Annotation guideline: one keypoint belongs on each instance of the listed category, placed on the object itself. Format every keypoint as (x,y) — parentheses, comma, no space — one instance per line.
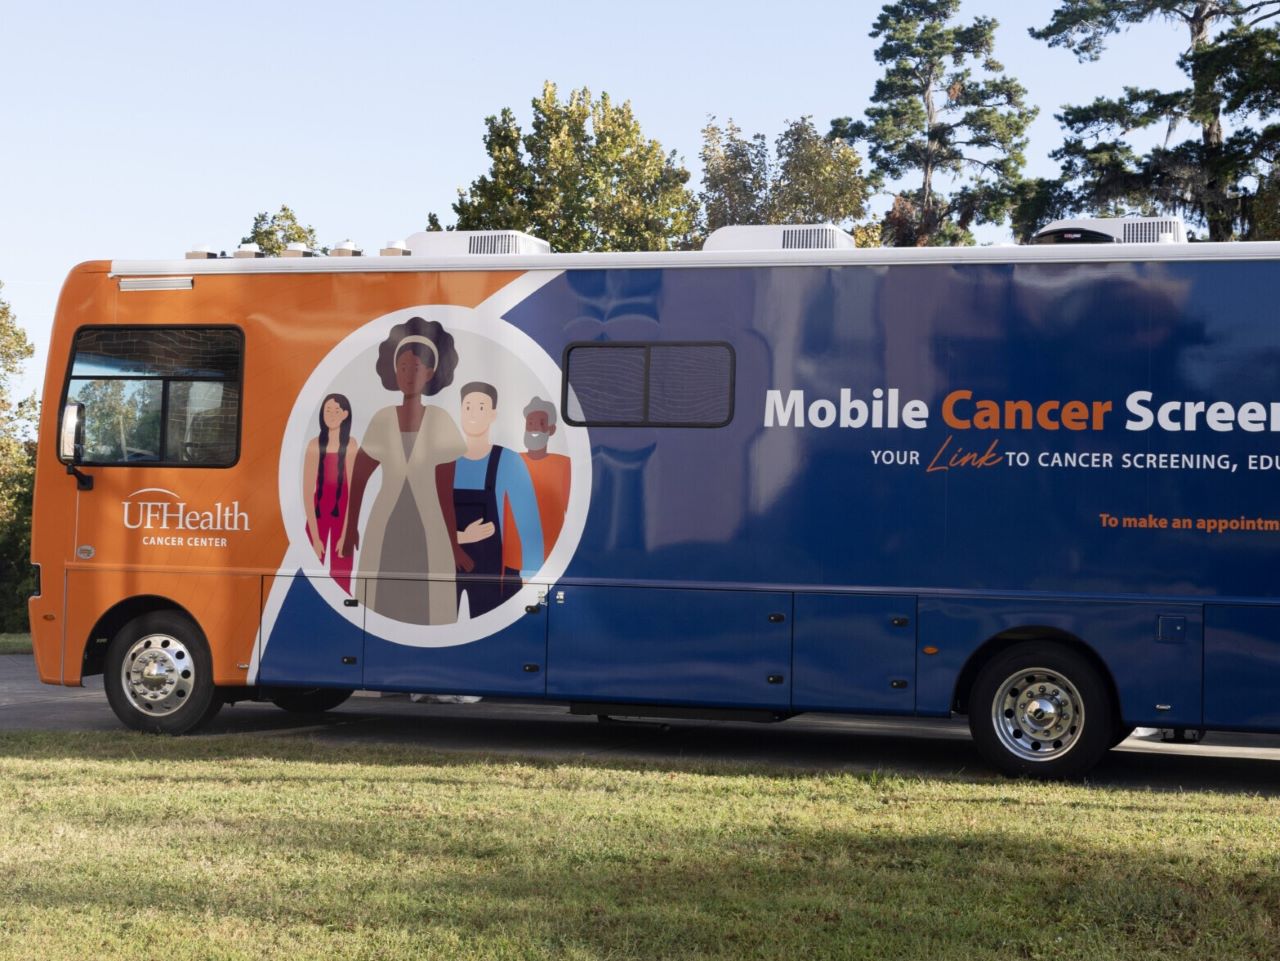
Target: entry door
(659,646)
(310,643)
(855,652)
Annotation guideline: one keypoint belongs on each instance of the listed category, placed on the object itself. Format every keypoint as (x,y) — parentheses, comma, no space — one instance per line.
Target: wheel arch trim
(94,645)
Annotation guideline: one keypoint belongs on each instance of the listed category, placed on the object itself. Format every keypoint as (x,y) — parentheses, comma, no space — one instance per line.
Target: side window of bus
(659,384)
(158,395)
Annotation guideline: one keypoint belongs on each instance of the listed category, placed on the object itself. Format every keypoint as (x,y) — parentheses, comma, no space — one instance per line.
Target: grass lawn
(121,846)
(15,643)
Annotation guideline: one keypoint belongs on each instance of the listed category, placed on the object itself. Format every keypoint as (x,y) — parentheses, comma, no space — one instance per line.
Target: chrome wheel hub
(1037,714)
(158,674)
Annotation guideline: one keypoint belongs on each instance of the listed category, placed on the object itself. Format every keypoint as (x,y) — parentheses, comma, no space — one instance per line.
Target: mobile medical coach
(1033,485)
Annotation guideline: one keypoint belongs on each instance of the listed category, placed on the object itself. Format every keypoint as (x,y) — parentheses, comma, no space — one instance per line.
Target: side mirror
(71,444)
(71,434)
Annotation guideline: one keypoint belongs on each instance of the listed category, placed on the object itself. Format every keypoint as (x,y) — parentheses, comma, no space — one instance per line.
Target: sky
(137,130)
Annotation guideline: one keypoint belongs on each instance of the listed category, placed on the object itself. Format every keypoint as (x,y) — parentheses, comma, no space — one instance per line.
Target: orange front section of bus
(88,297)
(203,539)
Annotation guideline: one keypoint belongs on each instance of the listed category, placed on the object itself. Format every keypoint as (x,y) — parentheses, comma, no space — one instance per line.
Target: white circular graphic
(490,350)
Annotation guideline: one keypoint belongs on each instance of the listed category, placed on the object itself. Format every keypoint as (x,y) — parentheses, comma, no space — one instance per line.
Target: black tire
(159,675)
(1041,710)
(310,700)
(1121,734)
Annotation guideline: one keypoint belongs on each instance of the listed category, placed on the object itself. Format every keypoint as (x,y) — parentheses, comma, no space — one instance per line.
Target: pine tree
(1205,178)
(943,110)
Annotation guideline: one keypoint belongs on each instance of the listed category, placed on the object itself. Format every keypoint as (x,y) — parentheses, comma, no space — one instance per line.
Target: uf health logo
(155,508)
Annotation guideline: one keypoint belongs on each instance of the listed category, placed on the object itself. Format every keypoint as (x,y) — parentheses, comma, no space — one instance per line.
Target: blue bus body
(926,462)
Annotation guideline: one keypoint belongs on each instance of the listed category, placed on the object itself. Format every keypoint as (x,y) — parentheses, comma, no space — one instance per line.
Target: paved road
(1224,763)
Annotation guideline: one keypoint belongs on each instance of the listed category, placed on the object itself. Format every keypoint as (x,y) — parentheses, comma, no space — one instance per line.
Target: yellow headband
(419,339)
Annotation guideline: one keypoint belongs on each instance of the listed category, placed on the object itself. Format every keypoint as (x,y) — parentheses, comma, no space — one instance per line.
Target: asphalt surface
(1235,763)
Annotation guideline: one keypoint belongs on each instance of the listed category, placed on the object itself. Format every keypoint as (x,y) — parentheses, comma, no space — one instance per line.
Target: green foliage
(583,178)
(1037,202)
(273,232)
(1231,65)
(810,179)
(736,182)
(942,109)
(1264,220)
(17,476)
(16,642)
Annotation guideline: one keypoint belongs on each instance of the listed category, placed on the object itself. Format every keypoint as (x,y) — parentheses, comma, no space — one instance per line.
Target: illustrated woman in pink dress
(326,473)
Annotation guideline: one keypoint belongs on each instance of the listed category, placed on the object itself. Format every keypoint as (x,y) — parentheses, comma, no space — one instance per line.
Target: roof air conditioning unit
(463,243)
(1114,230)
(780,237)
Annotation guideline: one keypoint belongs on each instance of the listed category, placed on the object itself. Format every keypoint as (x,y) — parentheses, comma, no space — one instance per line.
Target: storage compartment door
(659,646)
(1242,667)
(309,642)
(855,652)
(509,660)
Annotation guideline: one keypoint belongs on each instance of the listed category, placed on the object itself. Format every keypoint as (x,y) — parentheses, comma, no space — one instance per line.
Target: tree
(1248,63)
(273,232)
(810,179)
(17,477)
(1264,219)
(1205,178)
(942,109)
(583,178)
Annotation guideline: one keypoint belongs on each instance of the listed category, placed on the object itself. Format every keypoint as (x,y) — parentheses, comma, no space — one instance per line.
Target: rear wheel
(310,700)
(159,675)
(1041,710)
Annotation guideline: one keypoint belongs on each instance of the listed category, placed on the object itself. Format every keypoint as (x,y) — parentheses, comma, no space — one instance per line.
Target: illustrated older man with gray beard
(549,473)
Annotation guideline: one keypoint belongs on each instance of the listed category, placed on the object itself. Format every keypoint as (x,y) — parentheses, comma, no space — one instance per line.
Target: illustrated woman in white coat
(409,550)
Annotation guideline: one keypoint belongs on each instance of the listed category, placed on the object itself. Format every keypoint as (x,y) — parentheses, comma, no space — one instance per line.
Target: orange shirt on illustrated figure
(550,475)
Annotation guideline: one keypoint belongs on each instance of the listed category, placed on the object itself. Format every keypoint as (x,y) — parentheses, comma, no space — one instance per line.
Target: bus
(1029,485)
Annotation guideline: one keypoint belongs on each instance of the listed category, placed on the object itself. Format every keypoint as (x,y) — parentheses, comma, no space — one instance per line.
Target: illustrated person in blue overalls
(487,478)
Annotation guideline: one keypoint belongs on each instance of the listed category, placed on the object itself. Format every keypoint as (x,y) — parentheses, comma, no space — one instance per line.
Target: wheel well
(1007,639)
(95,646)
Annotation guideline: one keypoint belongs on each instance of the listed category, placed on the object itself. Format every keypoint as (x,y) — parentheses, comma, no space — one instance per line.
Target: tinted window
(649,385)
(167,395)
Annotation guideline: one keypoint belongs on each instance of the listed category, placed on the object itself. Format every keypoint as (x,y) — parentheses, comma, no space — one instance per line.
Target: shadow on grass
(772,751)
(776,890)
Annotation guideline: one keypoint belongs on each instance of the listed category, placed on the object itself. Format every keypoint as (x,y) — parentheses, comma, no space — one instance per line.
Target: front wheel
(1041,710)
(159,675)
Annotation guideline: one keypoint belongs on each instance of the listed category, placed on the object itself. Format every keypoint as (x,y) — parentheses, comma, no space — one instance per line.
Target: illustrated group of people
(455,513)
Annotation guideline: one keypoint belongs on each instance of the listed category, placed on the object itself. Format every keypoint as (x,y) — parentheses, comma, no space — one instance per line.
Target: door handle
(532,608)
(900,621)
(777,618)
(350,602)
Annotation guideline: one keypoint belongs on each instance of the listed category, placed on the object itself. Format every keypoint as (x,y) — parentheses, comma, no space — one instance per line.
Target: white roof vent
(463,243)
(202,252)
(394,248)
(248,250)
(297,249)
(780,237)
(1114,230)
(347,248)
